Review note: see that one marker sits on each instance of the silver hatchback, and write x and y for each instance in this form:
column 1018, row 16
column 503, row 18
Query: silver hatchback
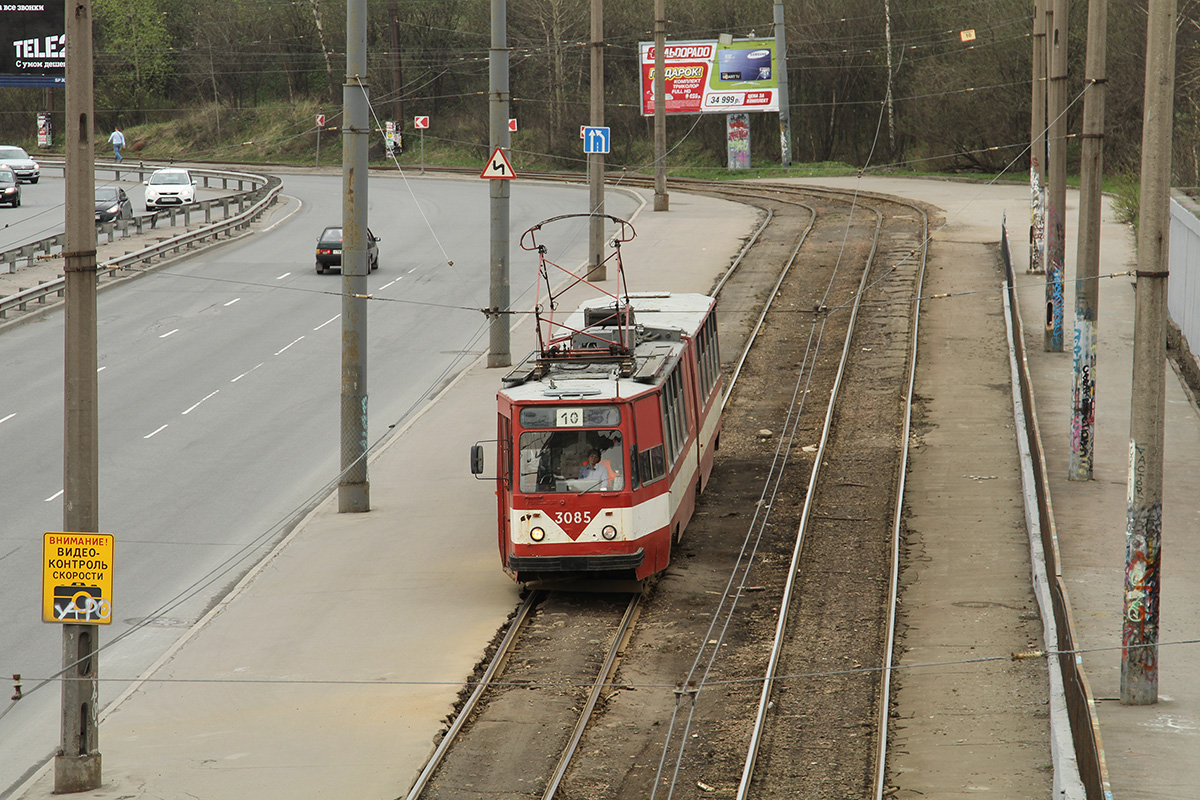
column 15, row 158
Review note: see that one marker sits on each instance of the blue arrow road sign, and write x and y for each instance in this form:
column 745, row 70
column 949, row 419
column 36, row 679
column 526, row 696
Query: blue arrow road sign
column 596, row 140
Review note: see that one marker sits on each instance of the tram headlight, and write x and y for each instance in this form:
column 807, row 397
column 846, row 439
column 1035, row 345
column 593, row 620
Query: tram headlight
column 537, row 534
column 608, row 532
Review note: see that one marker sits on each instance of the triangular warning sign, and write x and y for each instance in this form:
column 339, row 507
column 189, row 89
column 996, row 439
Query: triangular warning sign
column 498, row 166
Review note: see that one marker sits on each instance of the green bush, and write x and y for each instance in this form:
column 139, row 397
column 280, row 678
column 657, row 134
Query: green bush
column 1126, row 190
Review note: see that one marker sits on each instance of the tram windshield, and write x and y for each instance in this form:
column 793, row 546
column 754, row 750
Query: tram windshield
column 571, row 461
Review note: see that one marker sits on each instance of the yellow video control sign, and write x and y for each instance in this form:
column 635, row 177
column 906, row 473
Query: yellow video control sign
column 77, row 578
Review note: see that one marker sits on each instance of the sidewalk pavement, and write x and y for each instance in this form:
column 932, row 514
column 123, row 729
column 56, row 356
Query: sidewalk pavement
column 1151, row 750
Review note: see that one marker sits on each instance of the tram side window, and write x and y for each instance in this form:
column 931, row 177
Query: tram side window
column 651, row 464
column 709, row 355
column 674, row 416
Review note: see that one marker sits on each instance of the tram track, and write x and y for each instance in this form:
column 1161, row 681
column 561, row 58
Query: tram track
column 846, row 547
column 525, row 670
column 800, row 672
column 891, row 279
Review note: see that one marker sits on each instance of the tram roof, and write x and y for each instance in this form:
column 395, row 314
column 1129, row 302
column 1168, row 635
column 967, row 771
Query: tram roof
column 662, row 319
column 575, row 390
column 663, row 310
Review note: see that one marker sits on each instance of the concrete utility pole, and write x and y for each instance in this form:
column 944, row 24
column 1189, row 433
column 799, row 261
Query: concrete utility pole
column 597, row 270
column 662, row 200
column 354, row 490
column 1056, row 222
column 887, row 35
column 785, row 111
column 77, row 764
column 1087, row 258
column 499, row 354
column 1143, row 527
column 1037, row 137
column 397, row 73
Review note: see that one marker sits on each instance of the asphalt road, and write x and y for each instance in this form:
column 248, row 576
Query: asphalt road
column 219, row 412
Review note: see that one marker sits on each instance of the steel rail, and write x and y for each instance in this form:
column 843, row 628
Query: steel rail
column 498, row 661
column 882, row 721
column 785, row 601
column 885, row 693
column 785, row 191
column 737, row 260
column 762, row 316
column 602, row 680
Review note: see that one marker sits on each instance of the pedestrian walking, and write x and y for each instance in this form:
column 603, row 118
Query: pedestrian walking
column 117, row 140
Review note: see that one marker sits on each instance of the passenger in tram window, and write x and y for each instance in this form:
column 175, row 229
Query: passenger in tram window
column 597, row 470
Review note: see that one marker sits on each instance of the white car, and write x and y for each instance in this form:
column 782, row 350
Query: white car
column 16, row 159
column 172, row 186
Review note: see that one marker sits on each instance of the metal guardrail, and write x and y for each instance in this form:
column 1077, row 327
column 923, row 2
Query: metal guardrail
column 1080, row 702
column 260, row 199
column 48, row 246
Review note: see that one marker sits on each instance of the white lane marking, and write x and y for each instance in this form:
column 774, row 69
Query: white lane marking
column 284, row 275
column 289, row 345
column 231, row 302
column 169, row 333
column 193, row 408
column 244, row 374
column 326, row 322
column 55, row 496
column 386, row 285
column 411, row 271
column 6, row 419
column 299, row 205
column 101, row 369
column 160, row 430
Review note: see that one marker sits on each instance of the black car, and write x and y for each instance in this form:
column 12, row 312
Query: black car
column 10, row 187
column 329, row 249
column 112, row 203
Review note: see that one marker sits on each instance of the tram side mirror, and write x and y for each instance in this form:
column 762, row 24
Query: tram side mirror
column 476, row 459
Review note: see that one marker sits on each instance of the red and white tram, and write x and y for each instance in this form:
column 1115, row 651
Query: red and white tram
column 606, row 435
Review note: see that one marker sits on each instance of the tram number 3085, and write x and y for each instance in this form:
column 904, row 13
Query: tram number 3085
column 572, row 517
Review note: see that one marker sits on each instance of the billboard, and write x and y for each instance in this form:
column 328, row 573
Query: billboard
column 33, row 43
column 709, row 77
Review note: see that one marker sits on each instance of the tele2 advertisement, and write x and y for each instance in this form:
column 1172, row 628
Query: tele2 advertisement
column 709, row 77
column 33, row 46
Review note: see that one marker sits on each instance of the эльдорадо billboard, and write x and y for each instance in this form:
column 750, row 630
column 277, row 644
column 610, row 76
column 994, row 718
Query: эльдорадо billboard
column 33, row 45
column 707, row 77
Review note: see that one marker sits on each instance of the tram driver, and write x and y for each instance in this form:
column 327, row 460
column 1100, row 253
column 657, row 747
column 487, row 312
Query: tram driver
column 596, row 469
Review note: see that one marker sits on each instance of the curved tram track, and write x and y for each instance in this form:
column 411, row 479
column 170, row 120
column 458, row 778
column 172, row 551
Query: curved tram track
column 759, row 665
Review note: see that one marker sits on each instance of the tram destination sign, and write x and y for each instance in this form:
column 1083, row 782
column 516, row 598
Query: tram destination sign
column 77, row 578
column 712, row 77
